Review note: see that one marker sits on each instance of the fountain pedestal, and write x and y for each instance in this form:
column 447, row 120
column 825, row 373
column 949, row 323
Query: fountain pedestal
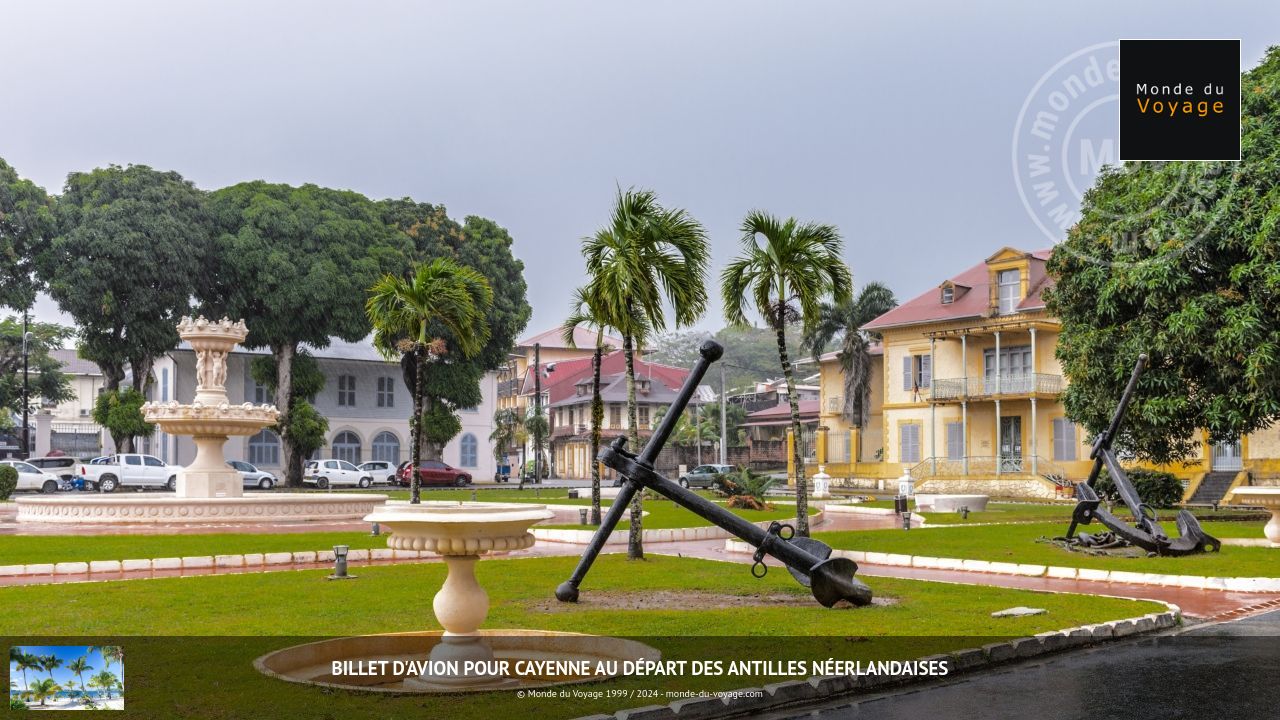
column 460, row 533
column 1266, row 497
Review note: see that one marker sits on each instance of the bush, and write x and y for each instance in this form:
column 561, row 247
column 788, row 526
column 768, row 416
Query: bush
column 1156, row 488
column 8, row 481
column 745, row 490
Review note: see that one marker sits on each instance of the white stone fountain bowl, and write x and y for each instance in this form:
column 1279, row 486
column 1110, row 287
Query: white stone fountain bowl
column 198, row 419
column 459, row 528
column 1267, row 497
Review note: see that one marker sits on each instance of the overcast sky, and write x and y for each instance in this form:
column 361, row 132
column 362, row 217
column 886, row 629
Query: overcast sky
column 892, row 120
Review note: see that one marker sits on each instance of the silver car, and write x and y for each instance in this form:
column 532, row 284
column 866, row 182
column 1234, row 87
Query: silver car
column 252, row 476
column 381, row 470
column 704, row 475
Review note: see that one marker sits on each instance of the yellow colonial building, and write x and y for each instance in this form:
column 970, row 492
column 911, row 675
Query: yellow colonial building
column 965, row 398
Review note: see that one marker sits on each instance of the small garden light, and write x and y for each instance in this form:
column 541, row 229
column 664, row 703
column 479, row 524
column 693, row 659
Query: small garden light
column 906, row 520
column 376, row 531
column 340, row 563
column 964, row 512
column 582, row 513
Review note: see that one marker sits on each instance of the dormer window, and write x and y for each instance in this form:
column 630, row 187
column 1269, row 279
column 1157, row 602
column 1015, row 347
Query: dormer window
column 948, row 294
column 1009, row 289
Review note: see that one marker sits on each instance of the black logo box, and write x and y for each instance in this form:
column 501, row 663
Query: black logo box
column 1161, row 77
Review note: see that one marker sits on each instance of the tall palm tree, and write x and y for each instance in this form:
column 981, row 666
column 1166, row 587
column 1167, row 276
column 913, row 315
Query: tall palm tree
column 405, row 311
column 49, row 663
column 647, row 257
column 845, row 320
column 80, row 666
column 105, row 680
column 24, row 661
column 587, row 311
column 785, row 271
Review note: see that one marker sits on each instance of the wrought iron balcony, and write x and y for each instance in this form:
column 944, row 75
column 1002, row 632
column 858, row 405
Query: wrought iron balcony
column 986, row 466
column 1020, row 385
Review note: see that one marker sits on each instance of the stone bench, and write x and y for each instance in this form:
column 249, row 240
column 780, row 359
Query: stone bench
column 928, row 502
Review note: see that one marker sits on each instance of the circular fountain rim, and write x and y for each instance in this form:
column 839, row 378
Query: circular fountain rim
column 446, row 511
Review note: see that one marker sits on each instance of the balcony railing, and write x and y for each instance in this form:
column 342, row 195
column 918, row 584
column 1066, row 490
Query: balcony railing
column 1005, row 385
column 986, row 466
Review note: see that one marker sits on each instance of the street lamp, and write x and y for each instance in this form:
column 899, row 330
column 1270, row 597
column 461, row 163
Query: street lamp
column 340, row 563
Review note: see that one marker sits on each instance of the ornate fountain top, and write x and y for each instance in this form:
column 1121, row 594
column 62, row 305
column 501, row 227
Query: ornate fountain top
column 203, row 327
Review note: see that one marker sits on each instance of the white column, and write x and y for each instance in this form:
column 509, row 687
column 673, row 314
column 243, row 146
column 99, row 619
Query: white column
column 1034, row 446
column 997, row 392
column 964, row 402
column 964, row 433
column 1035, row 376
column 933, row 406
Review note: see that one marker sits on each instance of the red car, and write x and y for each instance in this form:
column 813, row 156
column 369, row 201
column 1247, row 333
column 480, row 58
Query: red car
column 434, row 472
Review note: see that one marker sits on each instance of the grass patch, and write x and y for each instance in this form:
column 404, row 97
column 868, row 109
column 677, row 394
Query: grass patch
column 1010, row 512
column 213, row 677
column 31, row 549
column 1018, row 543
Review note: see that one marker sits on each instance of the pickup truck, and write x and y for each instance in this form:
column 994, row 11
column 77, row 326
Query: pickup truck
column 133, row 470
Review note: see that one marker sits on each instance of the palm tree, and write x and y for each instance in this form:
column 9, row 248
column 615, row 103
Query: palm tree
column 845, row 320
column 80, row 666
column 646, row 257
column 404, row 313
column 503, row 436
column 49, row 663
column 24, row 661
column 105, row 680
column 786, row 277
column 587, row 311
column 44, row 689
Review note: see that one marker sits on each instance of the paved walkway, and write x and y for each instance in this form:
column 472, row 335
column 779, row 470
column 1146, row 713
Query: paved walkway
column 1212, row 671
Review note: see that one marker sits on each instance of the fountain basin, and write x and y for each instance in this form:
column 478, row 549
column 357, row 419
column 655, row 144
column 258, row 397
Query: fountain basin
column 1266, row 497
column 171, row 509
column 459, row 528
column 313, row 663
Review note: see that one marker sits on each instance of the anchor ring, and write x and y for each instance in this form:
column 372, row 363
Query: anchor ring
column 764, row 570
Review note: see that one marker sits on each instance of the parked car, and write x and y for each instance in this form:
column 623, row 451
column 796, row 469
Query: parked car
column 435, row 472
column 252, row 476
column 64, row 466
column 131, row 470
column 381, row 470
column 324, row 473
column 31, row 477
column 703, row 476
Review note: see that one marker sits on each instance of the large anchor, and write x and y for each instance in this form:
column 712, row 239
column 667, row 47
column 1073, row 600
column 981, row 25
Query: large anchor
column 830, row 579
column 1145, row 532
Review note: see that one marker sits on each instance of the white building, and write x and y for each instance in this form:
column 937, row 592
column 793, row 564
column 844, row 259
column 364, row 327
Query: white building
column 364, row 399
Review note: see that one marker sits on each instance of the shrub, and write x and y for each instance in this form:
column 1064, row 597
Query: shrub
column 8, row 481
column 1156, row 488
column 744, row 490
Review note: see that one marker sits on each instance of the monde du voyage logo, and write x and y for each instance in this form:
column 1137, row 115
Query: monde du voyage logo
column 1179, row 100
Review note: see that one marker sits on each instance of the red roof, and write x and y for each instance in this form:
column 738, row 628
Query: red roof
column 559, row 383
column 972, row 297
column 781, row 413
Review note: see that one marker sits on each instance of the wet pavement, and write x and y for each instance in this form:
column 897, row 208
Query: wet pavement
column 1213, row 671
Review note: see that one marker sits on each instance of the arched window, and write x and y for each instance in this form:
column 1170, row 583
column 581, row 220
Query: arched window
column 386, row 446
column 468, row 451
column 346, row 446
column 264, row 448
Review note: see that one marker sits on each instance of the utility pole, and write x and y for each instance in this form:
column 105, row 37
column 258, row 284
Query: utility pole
column 697, row 429
column 724, row 436
column 537, row 409
column 26, row 391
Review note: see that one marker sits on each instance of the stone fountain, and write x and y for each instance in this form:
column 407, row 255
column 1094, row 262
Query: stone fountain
column 1265, row 497
column 461, row 533
column 208, row 491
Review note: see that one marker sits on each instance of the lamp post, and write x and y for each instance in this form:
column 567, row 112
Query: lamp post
column 26, row 389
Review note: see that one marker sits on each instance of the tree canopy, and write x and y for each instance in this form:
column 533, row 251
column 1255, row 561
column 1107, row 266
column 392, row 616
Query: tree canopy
column 44, row 373
column 131, row 245
column 26, row 224
column 1180, row 261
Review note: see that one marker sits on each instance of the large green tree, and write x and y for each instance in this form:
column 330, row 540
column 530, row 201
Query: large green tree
column 132, row 243
column 403, row 313
column 646, row 258
column 295, row 263
column 45, row 378
column 1181, row 261
column 786, row 270
column 843, row 321
column 485, row 247
column 307, row 427
column 26, row 224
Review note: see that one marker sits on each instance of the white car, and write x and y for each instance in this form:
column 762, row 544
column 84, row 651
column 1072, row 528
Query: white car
column 252, row 476
column 130, row 470
column 31, row 477
column 326, row 473
column 381, row 470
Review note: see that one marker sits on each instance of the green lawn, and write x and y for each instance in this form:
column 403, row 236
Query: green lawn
column 1018, row 543
column 663, row 514
column 213, row 677
column 31, row 549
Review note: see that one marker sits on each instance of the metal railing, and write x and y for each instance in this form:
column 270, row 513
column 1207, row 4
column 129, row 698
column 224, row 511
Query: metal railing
column 1020, row 384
